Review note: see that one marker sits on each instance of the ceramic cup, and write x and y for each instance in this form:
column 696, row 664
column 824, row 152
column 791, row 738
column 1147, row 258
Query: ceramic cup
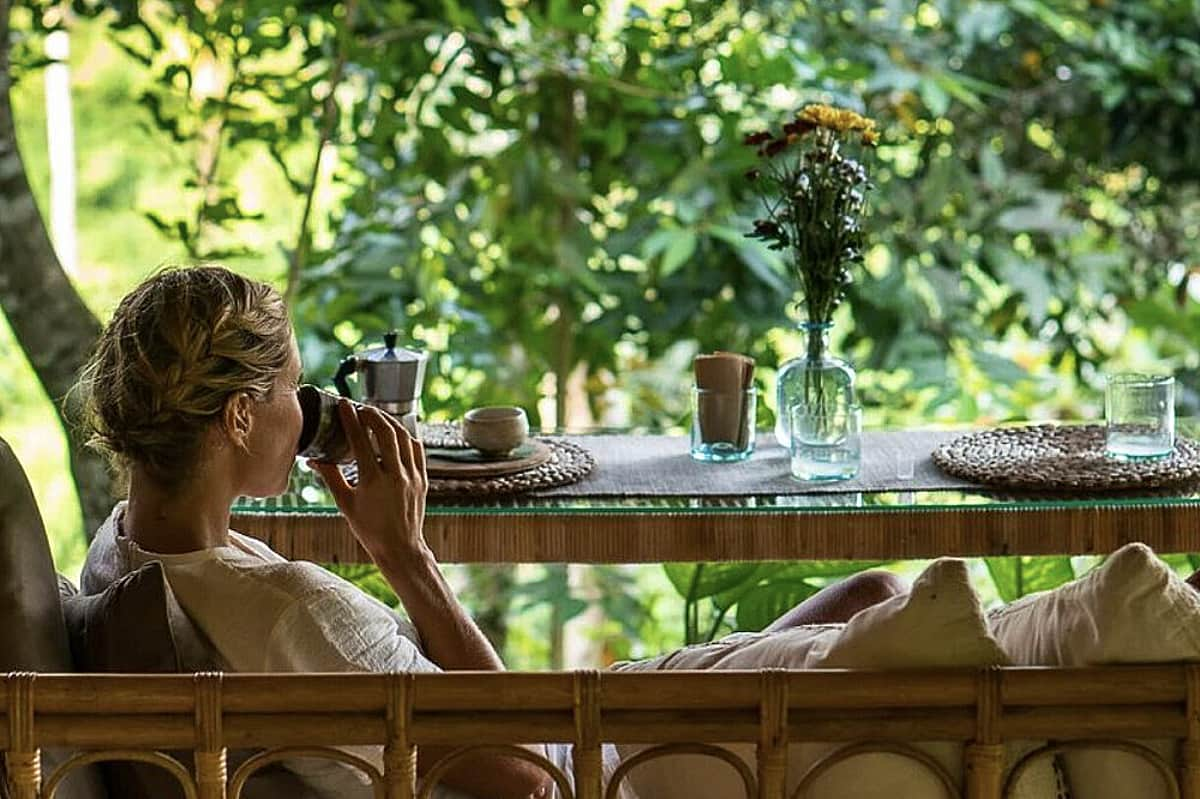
column 321, row 435
column 495, row 431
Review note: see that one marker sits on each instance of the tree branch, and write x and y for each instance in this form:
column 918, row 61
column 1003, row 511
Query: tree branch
column 328, row 119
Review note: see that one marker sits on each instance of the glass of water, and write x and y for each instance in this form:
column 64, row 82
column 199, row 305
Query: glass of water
column 1139, row 411
column 826, row 443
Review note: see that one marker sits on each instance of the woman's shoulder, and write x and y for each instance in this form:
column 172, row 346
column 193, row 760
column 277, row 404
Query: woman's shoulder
column 249, row 557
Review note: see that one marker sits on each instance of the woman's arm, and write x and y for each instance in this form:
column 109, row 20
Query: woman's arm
column 386, row 513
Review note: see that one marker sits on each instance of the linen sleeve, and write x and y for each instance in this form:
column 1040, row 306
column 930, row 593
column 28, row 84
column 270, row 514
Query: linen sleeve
column 336, row 628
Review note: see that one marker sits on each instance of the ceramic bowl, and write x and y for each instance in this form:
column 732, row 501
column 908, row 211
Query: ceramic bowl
column 495, row 431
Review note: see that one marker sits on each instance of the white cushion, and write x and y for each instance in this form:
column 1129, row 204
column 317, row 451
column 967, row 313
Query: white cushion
column 938, row 624
column 1132, row 608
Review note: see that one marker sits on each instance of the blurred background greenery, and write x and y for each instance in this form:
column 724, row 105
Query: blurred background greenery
column 548, row 196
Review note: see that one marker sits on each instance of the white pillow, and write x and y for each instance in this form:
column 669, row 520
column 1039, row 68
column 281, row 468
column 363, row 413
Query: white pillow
column 938, row 624
column 1132, row 608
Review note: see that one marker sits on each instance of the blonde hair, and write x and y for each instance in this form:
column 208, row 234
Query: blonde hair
column 178, row 346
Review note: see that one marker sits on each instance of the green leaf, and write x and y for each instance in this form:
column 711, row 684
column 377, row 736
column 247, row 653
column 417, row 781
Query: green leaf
column 730, row 597
column 766, row 265
column 682, row 247
column 700, row 580
column 1044, row 214
column 959, row 91
column 934, row 96
column 1001, row 370
column 1180, row 564
column 1014, row 577
column 1072, row 29
column 991, row 167
column 768, row 602
column 656, row 242
column 825, row 569
column 616, row 138
column 1029, row 277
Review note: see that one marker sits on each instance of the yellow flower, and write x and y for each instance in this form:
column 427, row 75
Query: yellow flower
column 870, row 137
column 823, row 116
column 839, row 120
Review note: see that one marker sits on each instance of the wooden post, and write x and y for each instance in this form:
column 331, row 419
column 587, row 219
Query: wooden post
column 24, row 759
column 399, row 754
column 588, row 758
column 984, row 757
column 209, row 753
column 773, row 734
column 1189, row 747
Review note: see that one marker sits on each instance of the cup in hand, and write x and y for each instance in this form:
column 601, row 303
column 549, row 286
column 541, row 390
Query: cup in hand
column 723, row 424
column 495, row 431
column 1139, row 412
column 322, row 437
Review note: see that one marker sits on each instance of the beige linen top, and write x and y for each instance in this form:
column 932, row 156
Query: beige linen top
column 263, row 613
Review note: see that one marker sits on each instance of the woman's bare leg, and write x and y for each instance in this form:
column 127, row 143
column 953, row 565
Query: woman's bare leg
column 838, row 602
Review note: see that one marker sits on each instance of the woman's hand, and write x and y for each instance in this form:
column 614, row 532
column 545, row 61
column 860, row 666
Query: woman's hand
column 386, row 509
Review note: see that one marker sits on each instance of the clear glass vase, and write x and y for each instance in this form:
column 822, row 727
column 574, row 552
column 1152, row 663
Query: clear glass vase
column 817, row 382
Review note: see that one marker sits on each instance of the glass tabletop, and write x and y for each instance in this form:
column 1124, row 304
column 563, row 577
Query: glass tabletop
column 305, row 495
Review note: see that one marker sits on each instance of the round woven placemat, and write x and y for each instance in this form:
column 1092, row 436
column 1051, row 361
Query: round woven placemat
column 1061, row 458
column 569, row 463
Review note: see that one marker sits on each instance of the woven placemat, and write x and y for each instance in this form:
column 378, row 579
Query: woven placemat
column 1061, row 458
column 568, row 463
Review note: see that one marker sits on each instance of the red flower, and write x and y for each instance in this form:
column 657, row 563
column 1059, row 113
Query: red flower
column 776, row 146
column 764, row 227
column 798, row 127
column 755, row 139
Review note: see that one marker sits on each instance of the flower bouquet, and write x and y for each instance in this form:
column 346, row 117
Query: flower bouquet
column 814, row 194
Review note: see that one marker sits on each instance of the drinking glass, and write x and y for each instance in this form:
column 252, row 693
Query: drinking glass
column 826, row 444
column 723, row 424
column 1139, row 411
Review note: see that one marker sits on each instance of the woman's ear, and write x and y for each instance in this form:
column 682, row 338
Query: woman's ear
column 237, row 419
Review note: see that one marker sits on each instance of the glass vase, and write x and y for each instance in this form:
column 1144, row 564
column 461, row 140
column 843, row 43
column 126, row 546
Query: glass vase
column 816, row 382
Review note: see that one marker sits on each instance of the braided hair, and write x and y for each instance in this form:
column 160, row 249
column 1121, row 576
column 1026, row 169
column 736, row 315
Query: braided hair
column 178, row 346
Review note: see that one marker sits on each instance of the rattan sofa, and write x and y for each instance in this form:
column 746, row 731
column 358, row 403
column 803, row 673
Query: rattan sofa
column 131, row 716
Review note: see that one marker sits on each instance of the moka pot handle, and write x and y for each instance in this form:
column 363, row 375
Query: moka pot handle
column 347, row 367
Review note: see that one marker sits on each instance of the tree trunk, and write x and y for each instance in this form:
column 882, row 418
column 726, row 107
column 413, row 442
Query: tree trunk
column 52, row 324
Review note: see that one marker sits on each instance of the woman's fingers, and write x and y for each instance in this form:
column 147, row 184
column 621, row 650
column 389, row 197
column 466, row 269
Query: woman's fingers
column 364, row 453
column 385, row 435
column 334, row 480
column 419, row 462
column 412, row 454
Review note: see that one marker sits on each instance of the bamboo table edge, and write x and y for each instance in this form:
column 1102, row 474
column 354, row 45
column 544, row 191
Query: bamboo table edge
column 658, row 536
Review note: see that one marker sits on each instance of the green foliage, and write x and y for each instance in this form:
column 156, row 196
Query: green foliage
column 757, row 593
column 534, row 190
column 1016, row 576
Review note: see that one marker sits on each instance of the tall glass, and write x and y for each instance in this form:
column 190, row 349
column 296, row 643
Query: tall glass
column 826, row 445
column 1139, row 411
column 723, row 424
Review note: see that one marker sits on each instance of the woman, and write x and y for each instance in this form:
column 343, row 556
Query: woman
column 192, row 392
